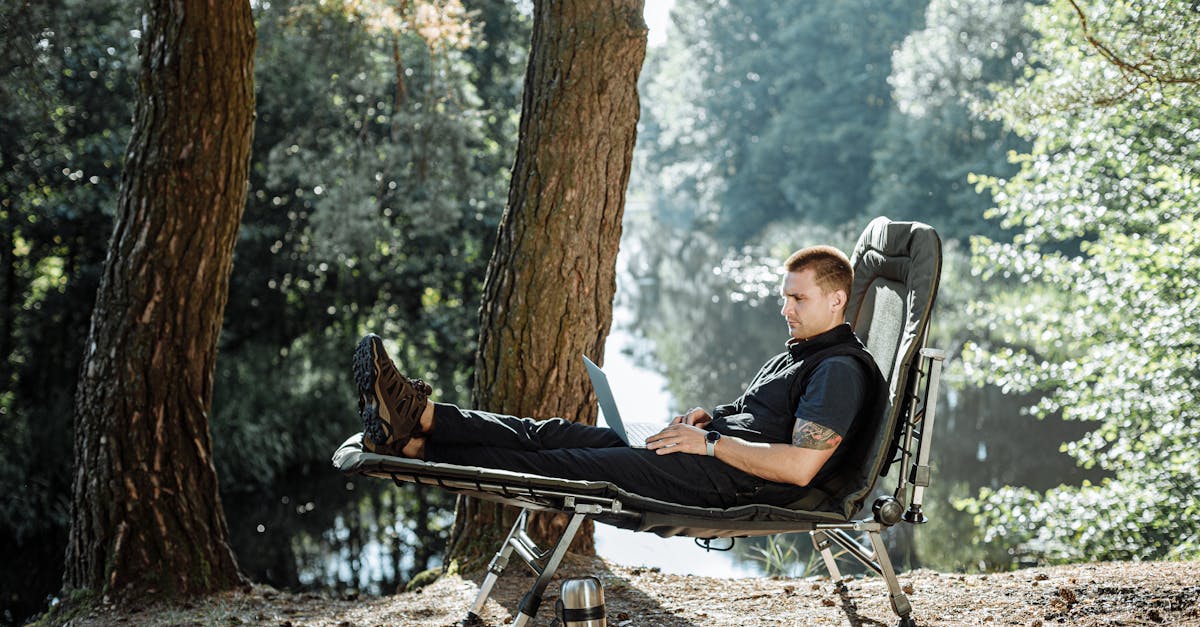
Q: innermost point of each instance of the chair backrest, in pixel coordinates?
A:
(897, 267)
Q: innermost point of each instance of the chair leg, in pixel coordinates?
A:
(878, 561)
(496, 568)
(821, 543)
(900, 604)
(533, 599)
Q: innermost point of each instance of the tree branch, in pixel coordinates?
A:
(1146, 68)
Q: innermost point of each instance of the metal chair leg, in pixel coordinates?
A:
(878, 561)
(533, 599)
(496, 567)
(900, 604)
(821, 542)
(528, 551)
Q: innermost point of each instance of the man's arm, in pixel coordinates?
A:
(834, 393)
(796, 463)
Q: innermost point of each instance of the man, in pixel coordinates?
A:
(785, 433)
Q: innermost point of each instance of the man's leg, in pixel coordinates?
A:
(449, 425)
(679, 478)
(398, 417)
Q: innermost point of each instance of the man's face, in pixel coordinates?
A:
(807, 309)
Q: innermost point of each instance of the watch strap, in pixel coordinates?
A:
(710, 444)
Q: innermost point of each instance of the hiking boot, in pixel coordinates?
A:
(389, 403)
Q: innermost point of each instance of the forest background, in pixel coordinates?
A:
(1053, 145)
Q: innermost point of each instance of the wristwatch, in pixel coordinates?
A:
(710, 441)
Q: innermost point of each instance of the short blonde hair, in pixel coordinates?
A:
(830, 265)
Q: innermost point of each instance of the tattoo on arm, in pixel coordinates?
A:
(814, 436)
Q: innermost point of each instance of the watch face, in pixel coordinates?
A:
(713, 436)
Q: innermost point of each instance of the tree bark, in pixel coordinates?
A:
(551, 279)
(146, 518)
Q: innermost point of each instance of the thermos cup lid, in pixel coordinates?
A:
(581, 603)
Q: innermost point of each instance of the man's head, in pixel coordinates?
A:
(815, 290)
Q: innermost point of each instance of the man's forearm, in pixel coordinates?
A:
(795, 463)
(783, 463)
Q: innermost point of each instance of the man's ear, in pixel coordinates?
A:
(839, 299)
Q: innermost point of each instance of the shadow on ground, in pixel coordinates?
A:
(624, 601)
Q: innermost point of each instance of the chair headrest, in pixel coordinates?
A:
(897, 267)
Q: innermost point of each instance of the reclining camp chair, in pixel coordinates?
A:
(897, 267)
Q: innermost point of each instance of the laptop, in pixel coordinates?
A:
(633, 433)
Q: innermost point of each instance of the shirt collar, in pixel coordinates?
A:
(799, 349)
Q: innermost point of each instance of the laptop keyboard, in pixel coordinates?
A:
(639, 431)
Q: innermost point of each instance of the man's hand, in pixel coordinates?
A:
(679, 438)
(697, 416)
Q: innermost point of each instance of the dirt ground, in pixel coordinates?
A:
(1089, 594)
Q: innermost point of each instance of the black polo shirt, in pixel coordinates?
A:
(823, 380)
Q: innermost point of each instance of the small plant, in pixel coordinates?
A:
(781, 557)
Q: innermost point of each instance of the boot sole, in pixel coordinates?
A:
(364, 378)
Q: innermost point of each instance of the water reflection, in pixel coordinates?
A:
(320, 530)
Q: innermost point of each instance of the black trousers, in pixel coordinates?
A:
(570, 450)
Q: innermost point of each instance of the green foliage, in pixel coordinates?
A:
(67, 99)
(981, 440)
(370, 208)
(827, 113)
(375, 198)
(933, 142)
(780, 117)
(1101, 288)
(951, 541)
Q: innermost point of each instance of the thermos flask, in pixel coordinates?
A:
(581, 603)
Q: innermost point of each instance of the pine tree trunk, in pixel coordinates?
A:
(550, 283)
(146, 518)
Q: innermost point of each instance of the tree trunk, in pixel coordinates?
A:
(550, 283)
(146, 518)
